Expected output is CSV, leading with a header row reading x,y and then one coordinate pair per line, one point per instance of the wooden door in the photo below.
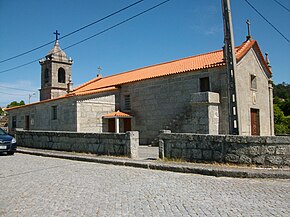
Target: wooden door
x,y
255,122
127,124
111,125
27,122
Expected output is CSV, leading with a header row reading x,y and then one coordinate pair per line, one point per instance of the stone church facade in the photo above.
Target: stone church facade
x,y
188,95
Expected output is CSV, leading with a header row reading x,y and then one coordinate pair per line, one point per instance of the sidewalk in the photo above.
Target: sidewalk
x,y
153,163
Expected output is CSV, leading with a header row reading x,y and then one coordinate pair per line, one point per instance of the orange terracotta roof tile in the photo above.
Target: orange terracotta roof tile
x,y
66,96
117,114
203,61
193,63
105,89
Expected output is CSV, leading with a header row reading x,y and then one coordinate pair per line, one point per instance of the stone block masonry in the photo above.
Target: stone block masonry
x,y
121,144
259,150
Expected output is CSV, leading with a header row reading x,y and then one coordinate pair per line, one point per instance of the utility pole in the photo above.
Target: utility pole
x,y
29,96
230,58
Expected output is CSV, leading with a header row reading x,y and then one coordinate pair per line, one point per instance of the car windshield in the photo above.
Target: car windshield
x,y
2,132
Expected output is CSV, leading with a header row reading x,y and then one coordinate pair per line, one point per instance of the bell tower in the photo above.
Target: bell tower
x,y
55,73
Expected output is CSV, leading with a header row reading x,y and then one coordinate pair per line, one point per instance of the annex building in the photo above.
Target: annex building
x,y
187,95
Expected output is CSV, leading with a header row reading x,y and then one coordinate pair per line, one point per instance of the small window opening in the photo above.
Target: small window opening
x,y
46,76
14,121
54,112
253,82
127,102
61,75
204,84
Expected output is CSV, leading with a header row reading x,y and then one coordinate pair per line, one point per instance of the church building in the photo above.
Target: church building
x,y
188,95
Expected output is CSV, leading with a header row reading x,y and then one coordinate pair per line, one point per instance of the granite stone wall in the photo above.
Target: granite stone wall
x,y
260,150
165,103
121,144
91,111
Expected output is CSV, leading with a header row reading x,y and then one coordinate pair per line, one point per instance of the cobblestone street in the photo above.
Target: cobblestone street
x,y
39,186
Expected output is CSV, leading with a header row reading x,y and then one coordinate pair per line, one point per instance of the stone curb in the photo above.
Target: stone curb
x,y
217,171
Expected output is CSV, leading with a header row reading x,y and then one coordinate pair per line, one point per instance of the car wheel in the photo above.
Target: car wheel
x,y
10,152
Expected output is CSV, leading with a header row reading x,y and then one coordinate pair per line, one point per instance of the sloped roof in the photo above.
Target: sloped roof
x,y
65,96
117,114
193,63
57,53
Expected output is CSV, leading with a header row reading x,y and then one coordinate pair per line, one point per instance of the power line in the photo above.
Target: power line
x,y
282,5
13,94
118,24
20,66
92,36
71,33
13,88
267,21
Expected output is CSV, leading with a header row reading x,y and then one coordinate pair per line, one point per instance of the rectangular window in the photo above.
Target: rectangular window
x,y
127,102
53,112
204,84
253,82
14,121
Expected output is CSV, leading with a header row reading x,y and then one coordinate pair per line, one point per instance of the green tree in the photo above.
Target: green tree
x,y
1,111
281,122
282,108
15,103
282,91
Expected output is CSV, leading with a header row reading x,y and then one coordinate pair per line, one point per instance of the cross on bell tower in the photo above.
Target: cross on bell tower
x,y
55,72
56,33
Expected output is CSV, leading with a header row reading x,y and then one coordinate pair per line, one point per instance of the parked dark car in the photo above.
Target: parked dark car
x,y
7,143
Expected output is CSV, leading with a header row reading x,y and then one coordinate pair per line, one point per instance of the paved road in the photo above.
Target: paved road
x,y
39,186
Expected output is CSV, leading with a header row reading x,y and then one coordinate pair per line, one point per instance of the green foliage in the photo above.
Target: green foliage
x,y
1,111
14,103
281,122
282,91
283,104
282,108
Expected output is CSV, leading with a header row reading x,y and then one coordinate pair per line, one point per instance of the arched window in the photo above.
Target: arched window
x,y
61,75
46,76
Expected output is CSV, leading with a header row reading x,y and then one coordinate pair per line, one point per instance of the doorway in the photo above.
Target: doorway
x,y
255,122
127,124
111,125
27,122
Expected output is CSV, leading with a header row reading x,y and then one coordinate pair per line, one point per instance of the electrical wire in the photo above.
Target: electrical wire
x,y
71,33
267,21
13,94
13,88
282,5
118,24
92,36
20,66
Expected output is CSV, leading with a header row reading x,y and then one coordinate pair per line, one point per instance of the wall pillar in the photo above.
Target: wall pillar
x,y
271,109
133,144
117,125
205,108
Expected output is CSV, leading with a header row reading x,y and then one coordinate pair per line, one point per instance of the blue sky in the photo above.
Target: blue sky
x,y
177,29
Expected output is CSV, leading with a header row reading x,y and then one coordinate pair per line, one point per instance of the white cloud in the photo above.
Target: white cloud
x,y
213,30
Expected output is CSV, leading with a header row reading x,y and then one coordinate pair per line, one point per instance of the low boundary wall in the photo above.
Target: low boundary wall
x,y
260,150
115,144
